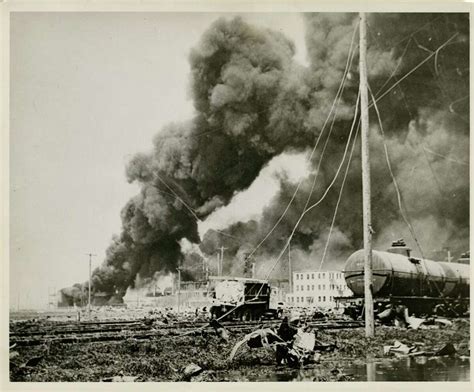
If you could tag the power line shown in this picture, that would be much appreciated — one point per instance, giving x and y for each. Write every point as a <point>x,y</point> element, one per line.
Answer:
<point>445,157</point>
<point>416,31</point>
<point>395,184</point>
<point>414,69</point>
<point>193,213</point>
<point>350,56</point>
<point>322,153</point>
<point>436,181</point>
<point>396,68</point>
<point>177,196</point>
<point>399,198</point>
<point>90,277</point>
<point>338,201</point>
<point>342,161</point>
<point>324,194</point>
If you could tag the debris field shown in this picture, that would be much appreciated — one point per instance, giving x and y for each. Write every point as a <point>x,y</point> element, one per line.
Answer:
<point>146,350</point>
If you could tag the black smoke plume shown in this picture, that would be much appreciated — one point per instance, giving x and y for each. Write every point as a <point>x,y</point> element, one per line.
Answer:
<point>254,102</point>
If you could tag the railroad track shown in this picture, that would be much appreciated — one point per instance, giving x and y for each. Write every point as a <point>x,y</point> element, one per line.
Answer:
<point>138,329</point>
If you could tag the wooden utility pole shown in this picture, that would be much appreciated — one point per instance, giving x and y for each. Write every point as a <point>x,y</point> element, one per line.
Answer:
<point>221,260</point>
<point>179,286</point>
<point>364,115</point>
<point>90,276</point>
<point>290,286</point>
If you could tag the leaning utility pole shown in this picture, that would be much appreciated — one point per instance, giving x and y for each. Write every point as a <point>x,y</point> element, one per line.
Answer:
<point>90,276</point>
<point>364,115</point>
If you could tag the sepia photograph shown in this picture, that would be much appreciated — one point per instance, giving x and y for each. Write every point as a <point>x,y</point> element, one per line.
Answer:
<point>238,196</point>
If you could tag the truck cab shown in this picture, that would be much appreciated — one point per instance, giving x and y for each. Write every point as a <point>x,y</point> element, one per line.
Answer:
<point>243,298</point>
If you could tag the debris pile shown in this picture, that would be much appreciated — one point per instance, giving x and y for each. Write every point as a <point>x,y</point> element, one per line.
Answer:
<point>398,316</point>
<point>293,345</point>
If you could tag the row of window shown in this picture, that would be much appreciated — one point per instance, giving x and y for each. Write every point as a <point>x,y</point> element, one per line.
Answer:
<point>320,287</point>
<point>331,275</point>
<point>310,299</point>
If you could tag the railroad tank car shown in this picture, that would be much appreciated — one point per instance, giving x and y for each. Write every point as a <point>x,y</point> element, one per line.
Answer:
<point>422,285</point>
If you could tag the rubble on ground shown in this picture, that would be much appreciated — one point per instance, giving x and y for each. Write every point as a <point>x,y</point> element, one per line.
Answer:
<point>204,355</point>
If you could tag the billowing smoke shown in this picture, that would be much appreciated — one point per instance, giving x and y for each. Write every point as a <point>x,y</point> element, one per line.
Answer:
<point>254,102</point>
<point>426,125</point>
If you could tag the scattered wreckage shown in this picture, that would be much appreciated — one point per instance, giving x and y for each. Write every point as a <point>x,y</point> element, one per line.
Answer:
<point>294,345</point>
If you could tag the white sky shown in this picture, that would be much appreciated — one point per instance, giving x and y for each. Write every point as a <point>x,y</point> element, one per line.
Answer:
<point>87,92</point>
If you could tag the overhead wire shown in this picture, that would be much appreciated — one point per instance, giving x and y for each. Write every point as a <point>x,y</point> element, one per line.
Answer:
<point>324,194</point>
<point>340,165</point>
<point>177,196</point>
<point>193,213</point>
<point>313,185</point>
<point>392,175</point>
<point>326,246</point>
<point>436,180</point>
<point>416,31</point>
<point>445,157</point>
<point>399,197</point>
<point>350,57</point>
<point>400,59</point>
<point>414,69</point>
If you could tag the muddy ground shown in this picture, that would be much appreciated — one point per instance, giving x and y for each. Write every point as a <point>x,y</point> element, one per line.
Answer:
<point>163,358</point>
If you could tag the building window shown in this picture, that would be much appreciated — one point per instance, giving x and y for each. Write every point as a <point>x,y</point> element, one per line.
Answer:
<point>324,287</point>
<point>323,275</point>
<point>297,287</point>
<point>319,287</point>
<point>312,287</point>
<point>297,299</point>
<point>307,276</point>
<point>324,298</point>
<point>319,276</point>
<point>319,299</point>
<point>312,276</point>
<point>307,287</point>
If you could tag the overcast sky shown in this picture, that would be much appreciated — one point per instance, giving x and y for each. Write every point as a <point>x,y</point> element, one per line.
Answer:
<point>89,90</point>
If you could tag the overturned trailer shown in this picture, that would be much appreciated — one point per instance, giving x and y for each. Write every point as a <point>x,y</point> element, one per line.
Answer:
<point>244,299</point>
<point>424,286</point>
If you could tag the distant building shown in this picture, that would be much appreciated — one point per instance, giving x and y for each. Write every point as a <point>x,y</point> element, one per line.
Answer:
<point>189,294</point>
<point>281,287</point>
<point>317,289</point>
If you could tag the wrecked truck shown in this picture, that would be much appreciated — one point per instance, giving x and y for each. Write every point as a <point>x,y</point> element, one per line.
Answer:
<point>244,299</point>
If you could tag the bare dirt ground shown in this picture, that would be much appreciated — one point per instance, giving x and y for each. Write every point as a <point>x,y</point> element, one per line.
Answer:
<point>163,358</point>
